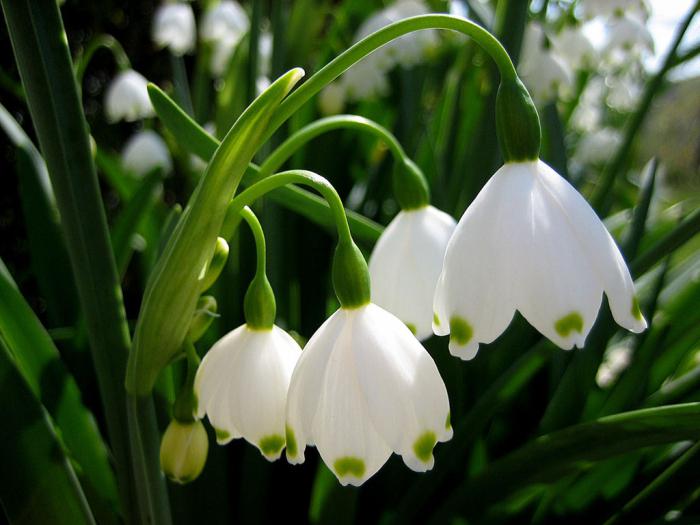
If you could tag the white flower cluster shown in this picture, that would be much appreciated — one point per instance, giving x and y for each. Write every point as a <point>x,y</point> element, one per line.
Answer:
<point>369,78</point>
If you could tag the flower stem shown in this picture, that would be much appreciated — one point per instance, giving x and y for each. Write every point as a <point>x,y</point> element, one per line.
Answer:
<point>364,47</point>
<point>259,237</point>
<point>107,42</point>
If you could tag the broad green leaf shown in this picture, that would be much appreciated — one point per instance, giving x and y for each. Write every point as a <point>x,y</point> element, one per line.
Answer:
<point>39,362</point>
<point>38,484</point>
<point>549,457</point>
<point>195,139</point>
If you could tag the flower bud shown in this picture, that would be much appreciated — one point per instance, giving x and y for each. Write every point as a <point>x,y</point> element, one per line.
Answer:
<point>183,451</point>
<point>213,269</point>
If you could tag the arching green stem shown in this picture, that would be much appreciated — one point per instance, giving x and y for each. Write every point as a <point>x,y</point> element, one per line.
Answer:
<point>354,54</point>
<point>259,306</point>
<point>107,42</point>
<point>290,146</point>
<point>186,402</point>
<point>350,273</point>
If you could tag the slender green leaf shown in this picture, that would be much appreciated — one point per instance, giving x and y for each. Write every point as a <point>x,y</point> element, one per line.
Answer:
<point>39,362</point>
<point>549,457</point>
<point>38,484</point>
<point>43,58</point>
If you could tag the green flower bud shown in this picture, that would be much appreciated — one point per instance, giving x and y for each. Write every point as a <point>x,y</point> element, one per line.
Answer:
<point>259,305</point>
<point>517,122</point>
<point>350,275</point>
<point>215,265</point>
<point>183,451</point>
<point>202,318</point>
<point>410,187</point>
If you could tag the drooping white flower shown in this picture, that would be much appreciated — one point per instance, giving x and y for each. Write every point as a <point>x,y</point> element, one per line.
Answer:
<point>364,387</point>
<point>541,69</point>
<point>627,33</point>
<point>572,44</point>
<point>242,385</point>
<point>406,263</point>
<point>127,98</point>
<point>597,147</point>
<point>530,242</point>
<point>174,28</point>
<point>223,25</point>
<point>146,151</point>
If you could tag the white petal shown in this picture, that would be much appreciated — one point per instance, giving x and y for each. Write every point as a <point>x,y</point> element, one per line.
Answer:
<point>146,151</point>
<point>258,391</point>
<point>559,292</point>
<point>474,299</point>
<point>406,263</point>
<point>127,97</point>
<point>174,27</point>
<point>342,427</point>
<point>405,395</point>
<point>305,386</point>
<point>603,254</point>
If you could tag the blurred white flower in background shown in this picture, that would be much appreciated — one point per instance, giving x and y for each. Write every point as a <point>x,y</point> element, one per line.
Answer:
<point>174,28</point>
<point>331,100</point>
<point>604,8</point>
<point>368,78</point>
<point>616,360</point>
<point>542,70</point>
<point>574,46</point>
<point>629,34</point>
<point>223,26</point>
<point>146,151</point>
<point>597,147</point>
<point>127,97</point>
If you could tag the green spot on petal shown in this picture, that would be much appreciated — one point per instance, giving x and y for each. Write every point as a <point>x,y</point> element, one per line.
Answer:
<point>291,441</point>
<point>448,423</point>
<point>636,311</point>
<point>460,331</point>
<point>436,319</point>
<point>572,322</point>
<point>221,435</point>
<point>271,445</point>
<point>349,465</point>
<point>423,447</point>
<point>412,328</point>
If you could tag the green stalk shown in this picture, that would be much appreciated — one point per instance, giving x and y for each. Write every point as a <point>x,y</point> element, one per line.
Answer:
<point>181,84</point>
<point>602,198</point>
<point>107,42</point>
<point>41,50</point>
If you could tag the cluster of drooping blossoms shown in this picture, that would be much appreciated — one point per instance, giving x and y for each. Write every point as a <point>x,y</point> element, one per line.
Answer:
<point>363,387</point>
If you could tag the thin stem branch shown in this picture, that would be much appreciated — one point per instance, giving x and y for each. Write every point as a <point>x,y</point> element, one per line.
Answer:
<point>259,237</point>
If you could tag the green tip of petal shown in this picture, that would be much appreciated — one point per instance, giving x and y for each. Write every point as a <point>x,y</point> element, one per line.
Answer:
<point>349,465</point>
<point>271,445</point>
<point>291,441</point>
<point>636,311</point>
<point>412,328</point>
<point>436,319</point>
<point>448,422</point>
<point>572,322</point>
<point>461,331</point>
<point>423,446</point>
<point>221,435</point>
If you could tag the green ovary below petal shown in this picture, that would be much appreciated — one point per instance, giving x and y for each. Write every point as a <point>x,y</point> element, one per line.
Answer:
<point>349,465</point>
<point>272,444</point>
<point>411,327</point>
<point>436,319</point>
<point>572,322</point>
<point>291,442</point>
<point>221,435</point>
<point>461,331</point>
<point>448,422</point>
<point>423,446</point>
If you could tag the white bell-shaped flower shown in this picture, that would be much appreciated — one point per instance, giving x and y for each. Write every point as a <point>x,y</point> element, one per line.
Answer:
<point>174,28</point>
<point>127,97</point>
<point>542,70</point>
<point>146,151</point>
<point>223,25</point>
<point>364,387</point>
<point>597,147</point>
<point>530,242</point>
<point>406,263</point>
<point>628,33</point>
<point>242,385</point>
<point>572,44</point>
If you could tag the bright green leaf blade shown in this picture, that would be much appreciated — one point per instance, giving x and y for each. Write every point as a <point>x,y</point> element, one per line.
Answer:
<point>548,458</point>
<point>38,484</point>
<point>195,139</point>
<point>38,360</point>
